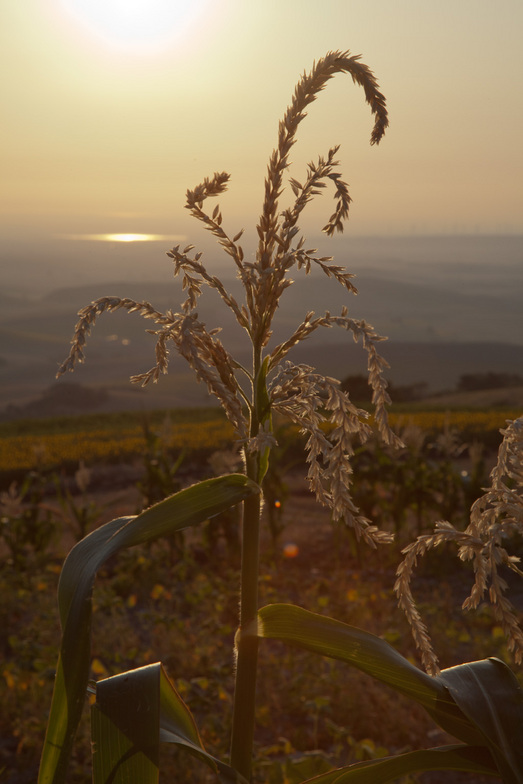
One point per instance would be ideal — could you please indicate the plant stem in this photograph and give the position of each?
(247, 646)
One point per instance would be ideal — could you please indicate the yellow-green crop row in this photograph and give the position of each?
(463, 421)
(25, 451)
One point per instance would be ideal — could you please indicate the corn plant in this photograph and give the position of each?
(79, 513)
(420, 483)
(161, 467)
(477, 703)
(27, 523)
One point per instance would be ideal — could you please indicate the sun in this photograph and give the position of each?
(135, 25)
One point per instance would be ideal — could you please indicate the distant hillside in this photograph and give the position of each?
(440, 365)
(446, 307)
(511, 397)
(110, 364)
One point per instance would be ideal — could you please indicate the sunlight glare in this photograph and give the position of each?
(129, 237)
(125, 237)
(139, 26)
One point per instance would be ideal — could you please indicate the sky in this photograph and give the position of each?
(105, 126)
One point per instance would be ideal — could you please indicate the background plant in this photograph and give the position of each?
(160, 462)
(28, 523)
(408, 490)
(78, 509)
(496, 519)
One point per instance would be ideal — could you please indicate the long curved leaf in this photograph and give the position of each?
(490, 695)
(133, 713)
(187, 508)
(371, 654)
(473, 759)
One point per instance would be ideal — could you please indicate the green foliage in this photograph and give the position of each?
(186, 508)
(27, 524)
(420, 484)
(464, 758)
(184, 613)
(79, 510)
(125, 750)
(481, 703)
(451, 698)
(161, 465)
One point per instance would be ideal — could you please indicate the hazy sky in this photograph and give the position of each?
(105, 131)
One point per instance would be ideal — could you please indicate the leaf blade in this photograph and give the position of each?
(133, 713)
(186, 508)
(473, 759)
(490, 695)
(328, 637)
(125, 748)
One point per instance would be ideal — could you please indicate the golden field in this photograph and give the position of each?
(26, 451)
(115, 442)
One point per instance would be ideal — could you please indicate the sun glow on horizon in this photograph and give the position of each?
(125, 237)
(129, 237)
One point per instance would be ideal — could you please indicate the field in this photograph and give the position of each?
(105, 438)
(117, 438)
(173, 601)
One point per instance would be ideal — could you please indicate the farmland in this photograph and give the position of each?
(116, 438)
(172, 601)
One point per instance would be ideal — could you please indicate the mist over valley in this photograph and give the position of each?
(449, 306)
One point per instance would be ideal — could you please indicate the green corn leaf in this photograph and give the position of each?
(187, 508)
(474, 759)
(328, 637)
(490, 695)
(133, 713)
